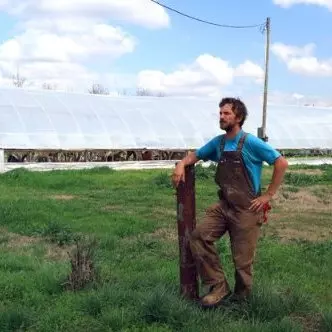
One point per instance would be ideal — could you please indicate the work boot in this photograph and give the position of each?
(218, 293)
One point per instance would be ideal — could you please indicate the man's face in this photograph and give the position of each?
(228, 119)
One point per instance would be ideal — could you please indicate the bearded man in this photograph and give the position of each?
(239, 210)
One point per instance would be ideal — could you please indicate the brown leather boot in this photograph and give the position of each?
(218, 293)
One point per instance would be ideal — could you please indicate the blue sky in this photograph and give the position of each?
(125, 44)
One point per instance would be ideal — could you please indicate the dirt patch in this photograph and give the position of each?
(55, 252)
(112, 208)
(27, 243)
(309, 323)
(169, 234)
(298, 223)
(301, 201)
(63, 197)
(308, 234)
(164, 211)
(19, 241)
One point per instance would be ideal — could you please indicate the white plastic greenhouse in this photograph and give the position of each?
(49, 120)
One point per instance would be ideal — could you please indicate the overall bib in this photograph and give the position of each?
(231, 214)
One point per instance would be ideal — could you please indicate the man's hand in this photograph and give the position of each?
(279, 170)
(258, 203)
(178, 174)
(179, 171)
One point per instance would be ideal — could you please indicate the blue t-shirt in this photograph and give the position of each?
(255, 151)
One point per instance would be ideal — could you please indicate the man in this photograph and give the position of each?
(239, 211)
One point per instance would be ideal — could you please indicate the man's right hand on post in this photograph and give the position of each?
(180, 168)
(178, 174)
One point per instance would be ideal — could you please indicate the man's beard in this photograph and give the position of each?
(227, 128)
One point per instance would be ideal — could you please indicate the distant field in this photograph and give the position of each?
(132, 217)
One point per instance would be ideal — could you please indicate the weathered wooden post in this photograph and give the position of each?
(186, 220)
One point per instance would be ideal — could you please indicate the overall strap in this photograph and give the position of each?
(222, 145)
(241, 142)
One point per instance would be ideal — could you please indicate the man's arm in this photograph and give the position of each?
(279, 169)
(179, 171)
(206, 152)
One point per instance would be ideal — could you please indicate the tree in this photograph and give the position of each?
(18, 80)
(123, 92)
(146, 92)
(49, 86)
(143, 92)
(98, 89)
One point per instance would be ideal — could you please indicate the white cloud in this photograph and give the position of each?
(59, 75)
(214, 69)
(207, 75)
(250, 69)
(311, 66)
(290, 3)
(44, 48)
(140, 12)
(301, 60)
(286, 52)
(67, 76)
(60, 40)
(297, 96)
(64, 38)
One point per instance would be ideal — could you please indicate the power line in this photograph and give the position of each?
(261, 25)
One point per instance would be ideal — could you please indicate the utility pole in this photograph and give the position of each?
(262, 130)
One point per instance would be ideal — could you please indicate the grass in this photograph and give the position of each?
(131, 216)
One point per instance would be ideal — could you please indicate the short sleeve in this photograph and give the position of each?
(209, 151)
(262, 151)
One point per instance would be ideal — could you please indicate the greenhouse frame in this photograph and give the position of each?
(44, 120)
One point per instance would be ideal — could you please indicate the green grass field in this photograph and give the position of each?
(131, 216)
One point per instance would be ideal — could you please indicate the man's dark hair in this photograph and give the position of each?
(238, 107)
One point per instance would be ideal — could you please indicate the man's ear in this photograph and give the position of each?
(239, 118)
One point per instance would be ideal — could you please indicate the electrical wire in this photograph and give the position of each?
(261, 25)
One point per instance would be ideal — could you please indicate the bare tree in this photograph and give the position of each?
(123, 92)
(146, 92)
(161, 94)
(18, 80)
(98, 89)
(49, 86)
(143, 92)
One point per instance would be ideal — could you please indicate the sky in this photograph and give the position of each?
(126, 45)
